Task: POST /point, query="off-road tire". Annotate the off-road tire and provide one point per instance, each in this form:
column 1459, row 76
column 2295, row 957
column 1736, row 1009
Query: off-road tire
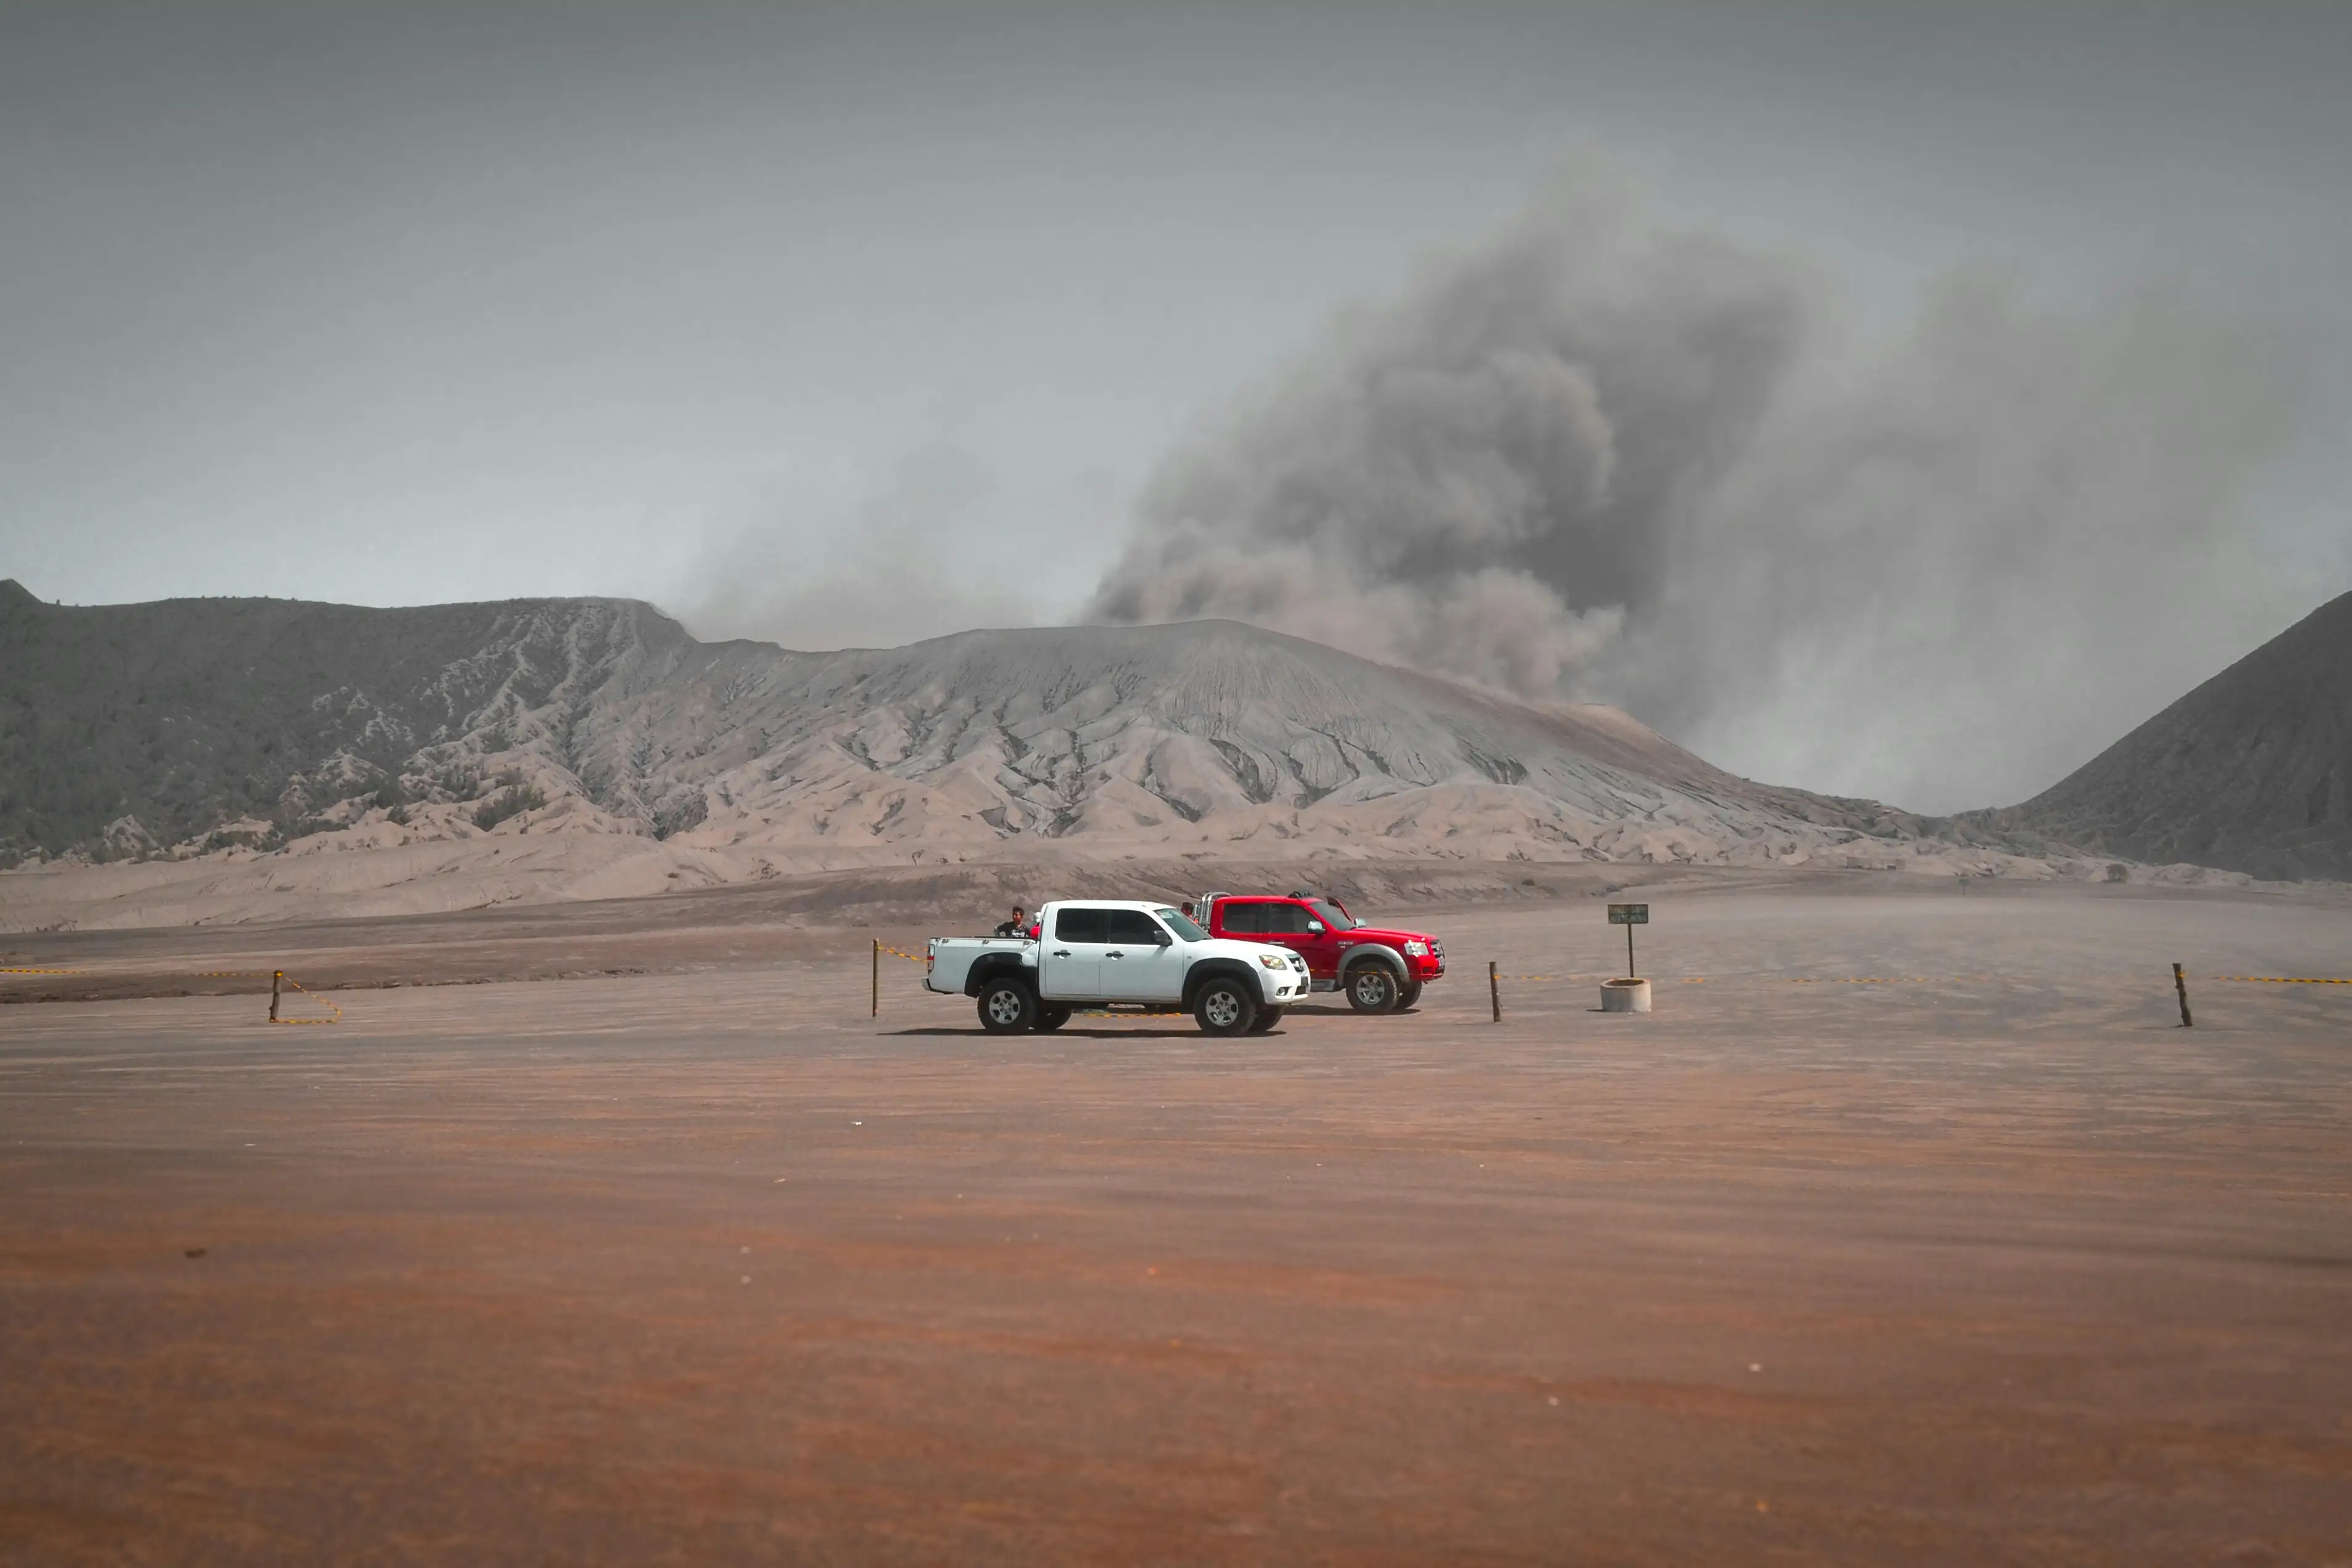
column 1371, row 988
column 1007, row 1007
column 1051, row 1016
column 1266, row 1019
column 1410, row 995
column 1225, row 1007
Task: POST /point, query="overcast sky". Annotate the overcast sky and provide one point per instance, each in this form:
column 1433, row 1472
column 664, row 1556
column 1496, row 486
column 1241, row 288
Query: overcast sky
column 858, row 323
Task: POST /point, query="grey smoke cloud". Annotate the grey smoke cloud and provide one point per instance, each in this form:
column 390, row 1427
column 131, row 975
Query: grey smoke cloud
column 1599, row 456
column 883, row 570
column 935, row 541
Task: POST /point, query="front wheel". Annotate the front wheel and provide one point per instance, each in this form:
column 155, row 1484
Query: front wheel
column 1006, row 1007
column 1410, row 995
column 1371, row 990
column 1224, row 1007
column 1266, row 1019
column 1051, row 1016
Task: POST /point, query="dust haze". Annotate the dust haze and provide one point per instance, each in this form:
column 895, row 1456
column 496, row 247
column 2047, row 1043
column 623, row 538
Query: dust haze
column 1598, row 456
column 872, row 573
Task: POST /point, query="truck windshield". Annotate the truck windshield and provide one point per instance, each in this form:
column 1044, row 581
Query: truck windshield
column 1183, row 928
column 1331, row 915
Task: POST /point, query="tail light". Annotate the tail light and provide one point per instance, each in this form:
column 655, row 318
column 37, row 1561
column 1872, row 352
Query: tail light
column 930, row 955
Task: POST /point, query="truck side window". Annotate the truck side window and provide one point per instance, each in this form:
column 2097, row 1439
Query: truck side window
column 1132, row 925
column 1243, row 919
column 1285, row 919
column 1080, row 925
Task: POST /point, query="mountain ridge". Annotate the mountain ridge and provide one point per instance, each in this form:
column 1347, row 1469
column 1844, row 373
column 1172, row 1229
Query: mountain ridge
column 2249, row 771
column 140, row 728
column 269, row 759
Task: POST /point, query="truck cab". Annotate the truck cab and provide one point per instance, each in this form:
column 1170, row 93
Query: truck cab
column 1380, row 969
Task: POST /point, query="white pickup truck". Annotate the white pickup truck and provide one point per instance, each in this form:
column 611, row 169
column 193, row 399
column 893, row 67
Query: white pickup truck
column 1100, row 952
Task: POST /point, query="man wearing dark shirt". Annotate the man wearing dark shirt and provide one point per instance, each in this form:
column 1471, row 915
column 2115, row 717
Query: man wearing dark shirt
column 1013, row 926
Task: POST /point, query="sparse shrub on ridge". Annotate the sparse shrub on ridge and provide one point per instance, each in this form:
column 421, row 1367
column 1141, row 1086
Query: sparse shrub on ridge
column 512, row 801
column 677, row 819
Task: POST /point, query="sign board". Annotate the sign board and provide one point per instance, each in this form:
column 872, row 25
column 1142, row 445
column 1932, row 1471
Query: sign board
column 1629, row 915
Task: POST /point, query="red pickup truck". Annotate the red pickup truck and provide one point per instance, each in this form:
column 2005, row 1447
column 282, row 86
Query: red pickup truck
column 1379, row 968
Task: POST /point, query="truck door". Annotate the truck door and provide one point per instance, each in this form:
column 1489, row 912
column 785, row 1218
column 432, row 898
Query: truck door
column 1070, row 957
column 1294, row 926
column 1141, row 962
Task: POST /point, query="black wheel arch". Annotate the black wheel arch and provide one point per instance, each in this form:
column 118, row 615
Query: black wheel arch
column 994, row 966
column 1206, row 969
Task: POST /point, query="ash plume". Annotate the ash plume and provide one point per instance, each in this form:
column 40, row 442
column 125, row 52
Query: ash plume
column 1595, row 456
column 872, row 572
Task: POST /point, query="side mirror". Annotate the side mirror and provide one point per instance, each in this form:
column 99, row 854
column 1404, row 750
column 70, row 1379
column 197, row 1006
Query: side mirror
column 1315, row 928
column 1161, row 939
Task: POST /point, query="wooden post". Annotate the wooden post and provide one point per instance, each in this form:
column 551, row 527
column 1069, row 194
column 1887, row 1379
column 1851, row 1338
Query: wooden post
column 1495, row 989
column 276, row 978
column 1629, row 951
column 2180, row 985
column 877, row 977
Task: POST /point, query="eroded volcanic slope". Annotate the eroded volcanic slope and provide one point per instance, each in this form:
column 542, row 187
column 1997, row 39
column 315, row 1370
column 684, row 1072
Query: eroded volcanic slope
column 187, row 714
column 143, row 727
column 2250, row 772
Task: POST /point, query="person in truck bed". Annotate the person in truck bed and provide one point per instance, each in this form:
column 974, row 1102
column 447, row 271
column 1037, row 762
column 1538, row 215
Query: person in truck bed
column 1013, row 926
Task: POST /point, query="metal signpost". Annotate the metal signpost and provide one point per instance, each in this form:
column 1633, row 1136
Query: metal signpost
column 1629, row 916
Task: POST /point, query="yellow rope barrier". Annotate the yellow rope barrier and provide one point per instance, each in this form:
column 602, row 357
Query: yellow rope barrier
column 2283, row 980
column 1944, row 980
column 323, row 1001
column 197, row 974
column 327, row 1003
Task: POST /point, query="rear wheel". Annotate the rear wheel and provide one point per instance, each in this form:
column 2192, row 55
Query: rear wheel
column 1266, row 1019
column 1051, row 1016
column 1224, row 1007
column 1006, row 1007
column 1371, row 990
column 1410, row 995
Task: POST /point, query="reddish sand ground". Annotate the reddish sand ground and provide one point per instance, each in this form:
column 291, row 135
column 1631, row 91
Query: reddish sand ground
column 1987, row 1262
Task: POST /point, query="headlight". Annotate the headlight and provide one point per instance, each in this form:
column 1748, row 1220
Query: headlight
column 1275, row 960
column 1416, row 949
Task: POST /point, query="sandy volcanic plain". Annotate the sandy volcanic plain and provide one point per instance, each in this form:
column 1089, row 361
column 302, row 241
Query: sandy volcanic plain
column 1987, row 1260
